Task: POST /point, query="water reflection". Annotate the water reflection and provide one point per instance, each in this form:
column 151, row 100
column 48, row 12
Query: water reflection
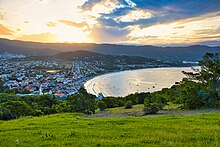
column 127, row 82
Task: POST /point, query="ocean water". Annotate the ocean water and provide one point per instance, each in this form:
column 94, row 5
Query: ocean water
column 128, row 82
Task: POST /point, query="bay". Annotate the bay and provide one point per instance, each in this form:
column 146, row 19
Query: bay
column 127, row 82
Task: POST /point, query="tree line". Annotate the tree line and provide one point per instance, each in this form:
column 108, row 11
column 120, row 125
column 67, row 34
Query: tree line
column 13, row 106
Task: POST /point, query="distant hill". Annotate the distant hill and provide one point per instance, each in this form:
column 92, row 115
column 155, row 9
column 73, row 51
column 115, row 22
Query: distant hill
column 106, row 59
column 190, row 53
column 107, row 62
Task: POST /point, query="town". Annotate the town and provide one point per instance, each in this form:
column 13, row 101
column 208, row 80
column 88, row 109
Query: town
column 45, row 77
column 61, row 77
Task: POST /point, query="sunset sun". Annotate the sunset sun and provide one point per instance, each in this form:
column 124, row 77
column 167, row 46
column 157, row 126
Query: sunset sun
column 70, row 34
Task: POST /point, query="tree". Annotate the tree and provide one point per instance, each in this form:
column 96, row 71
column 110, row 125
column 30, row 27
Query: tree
column 4, row 97
column 150, row 108
column 59, row 108
column 101, row 105
column 210, row 70
column 45, row 103
column 1, row 85
column 14, row 109
column 47, row 100
column 190, row 95
column 128, row 105
column 81, row 102
column 209, row 76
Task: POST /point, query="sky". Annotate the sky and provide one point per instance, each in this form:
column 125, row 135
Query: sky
column 147, row 22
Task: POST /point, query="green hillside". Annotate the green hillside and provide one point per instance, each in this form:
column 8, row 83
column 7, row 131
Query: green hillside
column 69, row 129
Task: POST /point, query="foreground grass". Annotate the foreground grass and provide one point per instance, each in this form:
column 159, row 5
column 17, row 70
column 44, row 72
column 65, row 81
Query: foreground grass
column 135, row 108
column 71, row 130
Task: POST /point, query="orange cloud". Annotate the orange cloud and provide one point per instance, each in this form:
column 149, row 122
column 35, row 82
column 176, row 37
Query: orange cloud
column 5, row 31
column 51, row 24
column 44, row 37
column 73, row 24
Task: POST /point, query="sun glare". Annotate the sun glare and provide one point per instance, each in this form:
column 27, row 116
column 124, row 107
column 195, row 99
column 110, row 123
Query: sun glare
column 71, row 34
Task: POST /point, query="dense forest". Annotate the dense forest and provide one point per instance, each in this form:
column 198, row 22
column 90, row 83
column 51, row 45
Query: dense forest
column 200, row 89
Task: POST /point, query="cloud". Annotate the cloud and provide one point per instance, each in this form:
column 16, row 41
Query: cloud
column 44, row 37
column 129, row 21
column 130, row 3
column 134, row 16
column 179, row 27
column 140, row 21
column 178, row 32
column 89, row 4
column 211, row 15
column 51, row 24
column 163, row 11
column 95, row 9
column 108, row 34
column 104, row 7
column 5, row 31
column 73, row 24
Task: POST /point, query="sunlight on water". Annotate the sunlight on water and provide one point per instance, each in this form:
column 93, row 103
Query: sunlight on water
column 127, row 82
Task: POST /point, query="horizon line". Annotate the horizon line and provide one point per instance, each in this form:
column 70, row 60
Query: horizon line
column 108, row 43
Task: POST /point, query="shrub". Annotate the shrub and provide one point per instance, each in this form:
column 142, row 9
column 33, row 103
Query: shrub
column 151, row 108
column 128, row 105
column 6, row 114
column 14, row 109
column 81, row 102
column 101, row 105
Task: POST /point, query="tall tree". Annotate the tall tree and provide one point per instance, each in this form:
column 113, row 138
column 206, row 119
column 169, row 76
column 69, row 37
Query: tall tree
column 210, row 70
column 209, row 75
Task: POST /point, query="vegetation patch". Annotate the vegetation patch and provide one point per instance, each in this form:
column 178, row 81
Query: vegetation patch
column 66, row 130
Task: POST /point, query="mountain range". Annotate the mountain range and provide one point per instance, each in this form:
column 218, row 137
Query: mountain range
column 189, row 53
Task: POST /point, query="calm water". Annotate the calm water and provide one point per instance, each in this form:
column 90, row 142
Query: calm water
column 127, row 82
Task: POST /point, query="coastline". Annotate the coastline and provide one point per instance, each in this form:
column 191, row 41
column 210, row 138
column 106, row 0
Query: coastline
column 86, row 85
column 94, row 76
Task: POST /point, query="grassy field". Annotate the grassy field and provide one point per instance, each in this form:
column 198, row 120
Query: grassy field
column 72, row 130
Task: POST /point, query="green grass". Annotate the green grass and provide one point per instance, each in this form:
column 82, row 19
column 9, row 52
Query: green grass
column 171, row 106
column 71, row 130
column 135, row 108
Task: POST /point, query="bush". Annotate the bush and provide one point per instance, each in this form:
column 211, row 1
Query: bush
column 14, row 109
column 151, row 108
column 81, row 102
column 6, row 114
column 38, row 113
column 128, row 105
column 101, row 105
